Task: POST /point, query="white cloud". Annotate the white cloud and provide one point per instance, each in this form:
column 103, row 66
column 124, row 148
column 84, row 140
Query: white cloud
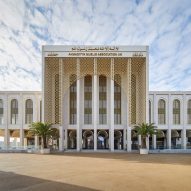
column 27, row 25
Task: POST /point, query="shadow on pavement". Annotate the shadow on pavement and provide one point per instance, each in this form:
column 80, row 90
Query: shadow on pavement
column 10, row 181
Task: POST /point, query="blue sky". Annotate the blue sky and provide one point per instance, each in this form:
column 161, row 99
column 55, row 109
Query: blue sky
column 163, row 25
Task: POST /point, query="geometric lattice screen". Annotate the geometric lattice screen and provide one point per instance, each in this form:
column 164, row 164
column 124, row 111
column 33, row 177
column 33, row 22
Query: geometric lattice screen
column 129, row 73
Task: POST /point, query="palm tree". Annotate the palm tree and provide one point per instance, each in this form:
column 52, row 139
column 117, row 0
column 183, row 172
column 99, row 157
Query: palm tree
column 42, row 130
column 145, row 130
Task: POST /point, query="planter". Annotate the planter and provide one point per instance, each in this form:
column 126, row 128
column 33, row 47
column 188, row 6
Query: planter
column 45, row 151
column 144, row 151
column 29, row 150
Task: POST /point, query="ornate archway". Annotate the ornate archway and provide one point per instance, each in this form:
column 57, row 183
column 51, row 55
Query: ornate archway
column 88, row 139
column 103, row 139
column 71, row 139
column 118, row 139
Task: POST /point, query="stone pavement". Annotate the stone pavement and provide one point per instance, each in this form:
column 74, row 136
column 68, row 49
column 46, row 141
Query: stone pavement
column 95, row 171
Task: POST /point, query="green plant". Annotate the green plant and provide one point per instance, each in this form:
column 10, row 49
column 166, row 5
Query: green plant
column 42, row 130
column 145, row 130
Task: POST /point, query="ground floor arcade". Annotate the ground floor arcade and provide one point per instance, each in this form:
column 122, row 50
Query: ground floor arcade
column 97, row 140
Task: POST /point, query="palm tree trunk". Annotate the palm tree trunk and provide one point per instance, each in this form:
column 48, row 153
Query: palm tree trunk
column 42, row 143
column 143, row 140
column 44, row 139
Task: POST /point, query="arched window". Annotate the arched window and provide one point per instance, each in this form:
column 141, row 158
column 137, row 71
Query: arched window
column 176, row 112
column 189, row 111
column 88, row 100
column 73, row 100
column 14, row 111
column 1, row 111
column 117, row 99
column 102, row 100
column 28, row 111
column 150, row 111
column 161, row 112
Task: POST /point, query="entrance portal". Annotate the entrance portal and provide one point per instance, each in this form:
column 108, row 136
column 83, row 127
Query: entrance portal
column 103, row 139
column 88, row 139
column 71, row 139
column 118, row 139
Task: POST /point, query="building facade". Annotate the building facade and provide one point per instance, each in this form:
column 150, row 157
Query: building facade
column 95, row 95
column 170, row 111
column 17, row 111
column 92, row 94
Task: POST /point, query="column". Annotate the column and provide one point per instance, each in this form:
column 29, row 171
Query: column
column 7, row 138
column 36, row 140
column 61, row 139
column 95, row 103
column 139, row 141
column 169, row 138
column 35, row 107
column 65, row 139
column 129, row 142
column 129, row 139
column 61, row 127
column 111, row 130
column 79, row 136
column 155, row 109
column 6, row 121
column 124, row 139
column 21, row 137
column 183, row 138
column 147, row 142
column 154, row 141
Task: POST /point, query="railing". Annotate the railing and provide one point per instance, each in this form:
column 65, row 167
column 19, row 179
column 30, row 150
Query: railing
column 17, row 148
column 175, row 146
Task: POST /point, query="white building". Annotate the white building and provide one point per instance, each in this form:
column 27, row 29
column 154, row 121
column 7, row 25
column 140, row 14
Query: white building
column 95, row 95
column 17, row 110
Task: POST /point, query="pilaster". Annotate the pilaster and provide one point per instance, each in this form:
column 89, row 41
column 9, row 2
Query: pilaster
column 6, row 121
column 21, row 137
column 21, row 118
column 155, row 110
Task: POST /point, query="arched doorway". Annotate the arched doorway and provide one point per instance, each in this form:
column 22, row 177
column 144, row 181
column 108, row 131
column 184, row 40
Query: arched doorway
column 161, row 139
column 103, row 139
column 175, row 139
column 188, row 138
column 28, row 139
column 14, row 139
column 118, row 139
column 88, row 139
column 72, row 139
column 2, row 138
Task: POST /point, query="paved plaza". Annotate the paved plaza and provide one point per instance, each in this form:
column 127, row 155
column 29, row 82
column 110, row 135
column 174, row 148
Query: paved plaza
column 95, row 171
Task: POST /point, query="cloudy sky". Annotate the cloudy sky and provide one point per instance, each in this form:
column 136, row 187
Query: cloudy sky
column 163, row 25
